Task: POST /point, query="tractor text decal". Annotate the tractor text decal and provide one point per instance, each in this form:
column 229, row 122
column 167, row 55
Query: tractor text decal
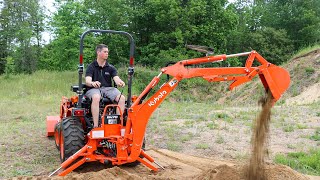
column 157, row 98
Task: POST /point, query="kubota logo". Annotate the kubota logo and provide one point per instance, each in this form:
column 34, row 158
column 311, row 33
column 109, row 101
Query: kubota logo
column 157, row 98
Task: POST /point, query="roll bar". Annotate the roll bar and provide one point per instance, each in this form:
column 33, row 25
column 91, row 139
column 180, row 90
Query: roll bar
column 131, row 62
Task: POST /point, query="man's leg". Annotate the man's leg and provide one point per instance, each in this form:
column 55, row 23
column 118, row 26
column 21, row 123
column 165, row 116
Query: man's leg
column 122, row 101
column 115, row 95
column 95, row 109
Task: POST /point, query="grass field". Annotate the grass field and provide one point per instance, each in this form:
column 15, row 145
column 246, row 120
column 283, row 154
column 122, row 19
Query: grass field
column 26, row 100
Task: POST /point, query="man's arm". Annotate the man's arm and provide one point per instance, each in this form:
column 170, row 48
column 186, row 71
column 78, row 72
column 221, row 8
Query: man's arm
column 91, row 83
column 118, row 81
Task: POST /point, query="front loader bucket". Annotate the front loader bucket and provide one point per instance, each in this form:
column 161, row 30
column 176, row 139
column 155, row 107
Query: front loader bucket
column 276, row 79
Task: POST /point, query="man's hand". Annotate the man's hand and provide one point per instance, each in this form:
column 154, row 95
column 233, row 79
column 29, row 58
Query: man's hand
column 95, row 84
column 118, row 81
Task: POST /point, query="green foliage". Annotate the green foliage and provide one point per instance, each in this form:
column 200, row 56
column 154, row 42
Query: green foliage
column 9, row 68
column 69, row 21
column 169, row 25
column 299, row 18
column 307, row 163
column 21, row 24
column 161, row 29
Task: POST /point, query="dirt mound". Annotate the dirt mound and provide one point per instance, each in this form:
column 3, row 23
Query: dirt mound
column 180, row 166
column 310, row 95
column 111, row 173
column 305, row 74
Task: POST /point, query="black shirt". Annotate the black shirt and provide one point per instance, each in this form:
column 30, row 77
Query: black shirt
column 103, row 74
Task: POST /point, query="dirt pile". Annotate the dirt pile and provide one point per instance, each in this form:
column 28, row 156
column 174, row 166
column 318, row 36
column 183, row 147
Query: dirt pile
column 181, row 167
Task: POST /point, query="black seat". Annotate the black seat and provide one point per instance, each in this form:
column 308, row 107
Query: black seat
column 75, row 88
column 86, row 100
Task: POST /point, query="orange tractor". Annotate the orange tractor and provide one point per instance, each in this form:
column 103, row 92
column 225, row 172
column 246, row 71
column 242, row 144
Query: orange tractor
column 121, row 142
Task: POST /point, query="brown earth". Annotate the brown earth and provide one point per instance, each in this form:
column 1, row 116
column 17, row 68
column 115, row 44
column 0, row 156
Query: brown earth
column 180, row 166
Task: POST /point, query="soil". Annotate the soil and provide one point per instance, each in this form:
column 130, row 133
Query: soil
column 310, row 95
column 181, row 167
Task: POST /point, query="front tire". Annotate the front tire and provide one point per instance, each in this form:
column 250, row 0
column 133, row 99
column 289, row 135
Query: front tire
column 72, row 137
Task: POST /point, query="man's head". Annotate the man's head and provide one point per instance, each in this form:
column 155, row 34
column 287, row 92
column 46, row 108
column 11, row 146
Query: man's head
column 102, row 51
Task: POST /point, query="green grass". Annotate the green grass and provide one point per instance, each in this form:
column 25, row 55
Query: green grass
column 309, row 70
column 25, row 101
column 219, row 140
column 186, row 137
column 212, row 125
column 316, row 135
column 288, row 128
column 307, row 163
column 302, row 126
column 306, row 50
column 173, row 146
column 202, row 146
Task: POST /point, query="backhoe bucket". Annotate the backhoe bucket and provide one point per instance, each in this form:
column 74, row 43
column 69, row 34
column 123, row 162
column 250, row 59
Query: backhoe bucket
column 276, row 79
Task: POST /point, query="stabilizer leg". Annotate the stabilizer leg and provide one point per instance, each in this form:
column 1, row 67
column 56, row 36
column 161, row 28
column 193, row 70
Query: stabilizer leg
column 83, row 152
column 74, row 166
column 151, row 160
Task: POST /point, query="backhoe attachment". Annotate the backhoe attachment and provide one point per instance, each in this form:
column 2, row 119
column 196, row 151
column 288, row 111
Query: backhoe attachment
column 121, row 143
column 273, row 78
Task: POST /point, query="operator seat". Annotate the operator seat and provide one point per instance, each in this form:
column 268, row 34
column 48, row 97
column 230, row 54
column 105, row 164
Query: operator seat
column 86, row 100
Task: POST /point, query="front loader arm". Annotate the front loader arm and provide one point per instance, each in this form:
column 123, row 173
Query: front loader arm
column 273, row 78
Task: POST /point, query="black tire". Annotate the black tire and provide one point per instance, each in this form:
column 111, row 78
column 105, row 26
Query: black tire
column 72, row 137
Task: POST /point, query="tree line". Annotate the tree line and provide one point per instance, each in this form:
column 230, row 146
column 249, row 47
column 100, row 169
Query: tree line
column 161, row 29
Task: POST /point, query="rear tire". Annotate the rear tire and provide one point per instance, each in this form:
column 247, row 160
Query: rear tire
column 72, row 137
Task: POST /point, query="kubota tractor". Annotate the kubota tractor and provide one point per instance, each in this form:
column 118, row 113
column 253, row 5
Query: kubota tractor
column 121, row 142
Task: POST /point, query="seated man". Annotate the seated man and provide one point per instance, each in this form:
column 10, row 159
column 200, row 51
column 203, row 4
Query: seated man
column 99, row 75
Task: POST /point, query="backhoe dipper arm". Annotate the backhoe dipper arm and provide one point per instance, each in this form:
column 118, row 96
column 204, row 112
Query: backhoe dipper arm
column 273, row 78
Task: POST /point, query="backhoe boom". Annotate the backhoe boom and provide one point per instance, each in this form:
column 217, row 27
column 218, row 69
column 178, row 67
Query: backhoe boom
column 273, row 78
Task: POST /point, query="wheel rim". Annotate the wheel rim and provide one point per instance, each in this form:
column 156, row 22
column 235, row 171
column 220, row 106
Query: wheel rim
column 56, row 137
column 61, row 148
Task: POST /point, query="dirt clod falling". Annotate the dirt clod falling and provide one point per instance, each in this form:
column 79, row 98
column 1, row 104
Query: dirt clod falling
column 256, row 170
